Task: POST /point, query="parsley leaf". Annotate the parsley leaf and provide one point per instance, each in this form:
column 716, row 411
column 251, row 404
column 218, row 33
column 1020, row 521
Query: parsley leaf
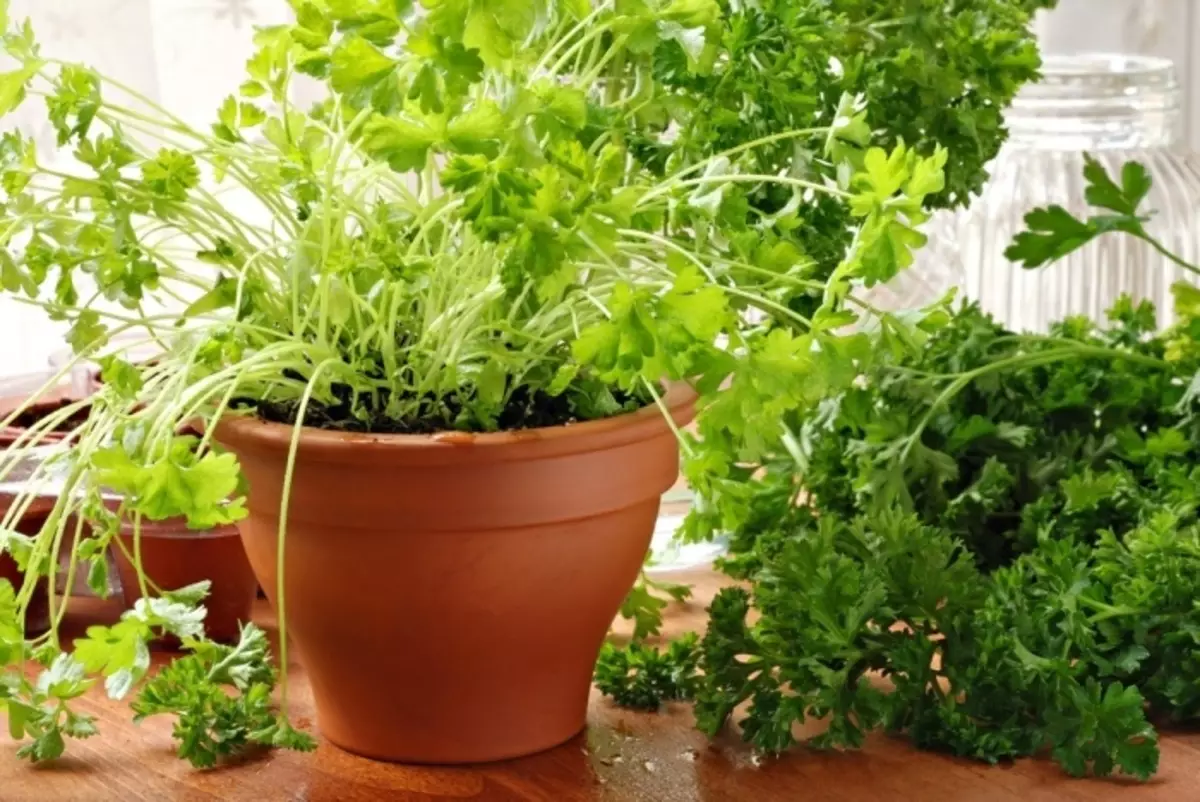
column 212, row 722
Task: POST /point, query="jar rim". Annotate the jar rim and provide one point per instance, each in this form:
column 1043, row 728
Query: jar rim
column 1101, row 64
column 1101, row 86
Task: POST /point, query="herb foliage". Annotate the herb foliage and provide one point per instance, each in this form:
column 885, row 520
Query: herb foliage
column 504, row 213
column 990, row 544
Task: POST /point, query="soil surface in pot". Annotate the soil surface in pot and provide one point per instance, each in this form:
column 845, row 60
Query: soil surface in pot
column 45, row 409
column 38, row 411
column 524, row 410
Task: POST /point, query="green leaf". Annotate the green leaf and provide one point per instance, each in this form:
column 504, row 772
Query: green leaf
column 478, row 129
column 74, row 103
column 1103, row 192
column 221, row 696
column 223, row 294
column 403, row 143
column 1053, row 233
column 12, row 87
column 568, row 105
column 64, row 679
column 190, row 595
column 358, row 66
column 496, row 28
column 13, row 278
column 313, row 26
column 171, row 174
column 87, row 332
column 642, row 677
column 699, row 307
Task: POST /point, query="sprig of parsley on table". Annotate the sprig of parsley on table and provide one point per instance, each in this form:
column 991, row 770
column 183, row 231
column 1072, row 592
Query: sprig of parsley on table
column 642, row 676
column 213, row 723
column 221, row 694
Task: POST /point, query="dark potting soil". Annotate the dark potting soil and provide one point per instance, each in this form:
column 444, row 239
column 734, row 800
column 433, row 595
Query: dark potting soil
column 525, row 410
column 44, row 409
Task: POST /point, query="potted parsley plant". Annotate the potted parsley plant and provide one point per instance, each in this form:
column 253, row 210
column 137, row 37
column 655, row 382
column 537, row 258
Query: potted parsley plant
column 442, row 349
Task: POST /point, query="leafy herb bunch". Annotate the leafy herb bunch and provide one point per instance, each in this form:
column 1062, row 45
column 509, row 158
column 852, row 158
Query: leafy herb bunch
column 504, row 214
column 990, row 544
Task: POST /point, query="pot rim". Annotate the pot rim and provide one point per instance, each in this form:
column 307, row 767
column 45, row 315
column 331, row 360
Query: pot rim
column 176, row 529
column 8, row 403
column 249, row 431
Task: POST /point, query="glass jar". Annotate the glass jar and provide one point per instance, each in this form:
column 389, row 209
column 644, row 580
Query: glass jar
column 1117, row 108
column 937, row 268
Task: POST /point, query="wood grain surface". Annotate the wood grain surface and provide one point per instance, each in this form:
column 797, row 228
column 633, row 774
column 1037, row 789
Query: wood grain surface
column 622, row 757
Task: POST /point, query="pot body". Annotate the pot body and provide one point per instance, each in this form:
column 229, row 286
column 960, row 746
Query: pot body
column 174, row 556
column 448, row 594
column 37, row 616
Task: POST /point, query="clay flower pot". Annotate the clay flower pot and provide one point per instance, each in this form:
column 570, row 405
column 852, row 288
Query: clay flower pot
column 448, row 594
column 37, row 617
column 174, row 556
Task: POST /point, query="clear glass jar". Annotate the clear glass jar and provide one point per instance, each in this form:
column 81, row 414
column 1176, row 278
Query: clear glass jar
column 937, row 268
column 1117, row 108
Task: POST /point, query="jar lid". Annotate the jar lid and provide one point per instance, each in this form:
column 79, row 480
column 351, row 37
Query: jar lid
column 1095, row 100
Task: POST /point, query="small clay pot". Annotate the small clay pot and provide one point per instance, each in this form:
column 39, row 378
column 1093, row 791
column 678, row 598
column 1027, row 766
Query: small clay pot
column 48, row 404
column 37, row 617
column 448, row 594
column 174, row 556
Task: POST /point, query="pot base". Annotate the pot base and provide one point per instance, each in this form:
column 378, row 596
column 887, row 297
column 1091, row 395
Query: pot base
column 458, row 757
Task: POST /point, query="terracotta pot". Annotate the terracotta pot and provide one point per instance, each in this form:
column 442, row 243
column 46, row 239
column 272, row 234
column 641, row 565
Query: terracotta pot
column 174, row 556
column 448, row 594
column 37, row 617
column 49, row 403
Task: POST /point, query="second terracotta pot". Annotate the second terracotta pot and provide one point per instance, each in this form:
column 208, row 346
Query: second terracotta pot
column 37, row 615
column 449, row 593
column 174, row 556
column 37, row 618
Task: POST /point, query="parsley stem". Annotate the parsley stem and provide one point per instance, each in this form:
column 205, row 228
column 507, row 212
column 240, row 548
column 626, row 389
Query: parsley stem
column 1158, row 246
column 1033, row 359
column 289, row 472
column 742, row 178
column 765, row 140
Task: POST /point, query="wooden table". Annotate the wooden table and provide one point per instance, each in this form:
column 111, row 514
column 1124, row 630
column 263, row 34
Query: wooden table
column 623, row 757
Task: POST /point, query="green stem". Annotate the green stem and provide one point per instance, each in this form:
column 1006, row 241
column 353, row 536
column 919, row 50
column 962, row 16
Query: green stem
column 742, row 178
column 1020, row 360
column 289, row 473
column 1158, row 246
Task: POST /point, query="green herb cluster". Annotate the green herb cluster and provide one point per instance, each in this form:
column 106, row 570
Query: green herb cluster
column 990, row 544
column 644, row 677
column 212, row 722
column 504, row 214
